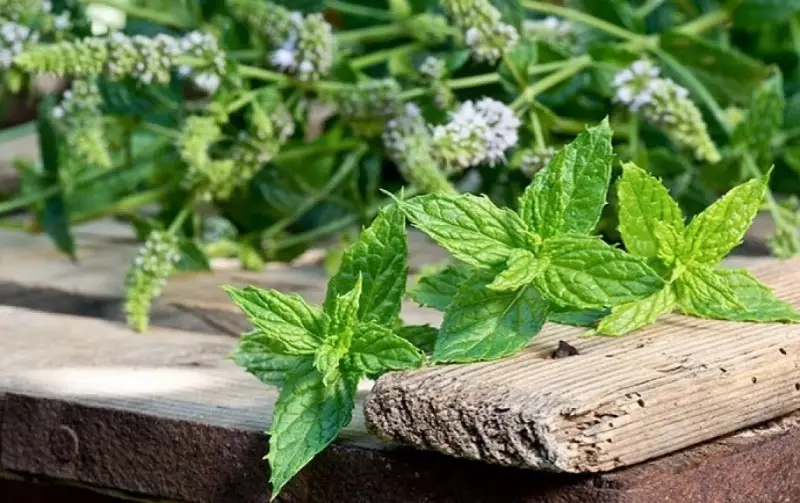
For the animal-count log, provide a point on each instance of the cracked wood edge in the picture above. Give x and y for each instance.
(620, 401)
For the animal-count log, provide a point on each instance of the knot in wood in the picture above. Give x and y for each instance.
(64, 444)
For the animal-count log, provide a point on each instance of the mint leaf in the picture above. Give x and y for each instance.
(763, 120)
(637, 314)
(575, 317)
(307, 418)
(716, 231)
(376, 350)
(521, 269)
(380, 257)
(569, 194)
(670, 242)
(326, 361)
(701, 284)
(643, 203)
(421, 336)
(483, 324)
(586, 273)
(295, 327)
(759, 301)
(472, 228)
(343, 311)
(259, 354)
(437, 290)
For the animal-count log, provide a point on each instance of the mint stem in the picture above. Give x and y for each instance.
(144, 13)
(346, 170)
(358, 10)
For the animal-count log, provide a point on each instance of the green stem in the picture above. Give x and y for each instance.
(537, 130)
(647, 8)
(316, 150)
(707, 21)
(555, 78)
(520, 80)
(463, 83)
(474, 81)
(337, 225)
(125, 205)
(240, 102)
(549, 67)
(372, 34)
(159, 129)
(180, 218)
(143, 13)
(794, 27)
(244, 54)
(346, 170)
(15, 132)
(23, 201)
(358, 10)
(580, 17)
(283, 80)
(381, 56)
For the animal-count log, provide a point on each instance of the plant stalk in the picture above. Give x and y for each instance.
(359, 10)
(349, 165)
(555, 78)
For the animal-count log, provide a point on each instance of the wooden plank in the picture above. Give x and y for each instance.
(34, 274)
(619, 402)
(165, 416)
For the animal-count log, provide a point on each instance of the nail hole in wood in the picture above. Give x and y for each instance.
(722, 370)
(754, 379)
(797, 386)
(564, 350)
(783, 351)
(640, 402)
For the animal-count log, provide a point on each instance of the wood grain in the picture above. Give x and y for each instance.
(32, 271)
(619, 402)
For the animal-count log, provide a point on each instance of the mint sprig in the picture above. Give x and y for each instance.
(652, 227)
(518, 265)
(316, 356)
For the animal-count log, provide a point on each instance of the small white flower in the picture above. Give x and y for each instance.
(472, 36)
(306, 66)
(61, 22)
(283, 58)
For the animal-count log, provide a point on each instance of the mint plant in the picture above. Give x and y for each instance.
(653, 228)
(286, 120)
(519, 264)
(317, 356)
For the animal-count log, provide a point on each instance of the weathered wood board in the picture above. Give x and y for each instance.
(620, 401)
(34, 274)
(165, 416)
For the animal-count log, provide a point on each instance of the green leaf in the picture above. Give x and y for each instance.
(344, 315)
(53, 217)
(716, 231)
(483, 324)
(518, 63)
(296, 327)
(521, 269)
(258, 354)
(643, 202)
(575, 317)
(707, 57)
(637, 314)
(670, 242)
(700, 284)
(472, 228)
(376, 350)
(380, 258)
(193, 258)
(569, 194)
(760, 302)
(307, 418)
(763, 121)
(327, 361)
(421, 336)
(754, 13)
(586, 273)
(437, 290)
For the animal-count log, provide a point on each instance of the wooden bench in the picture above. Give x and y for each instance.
(165, 416)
